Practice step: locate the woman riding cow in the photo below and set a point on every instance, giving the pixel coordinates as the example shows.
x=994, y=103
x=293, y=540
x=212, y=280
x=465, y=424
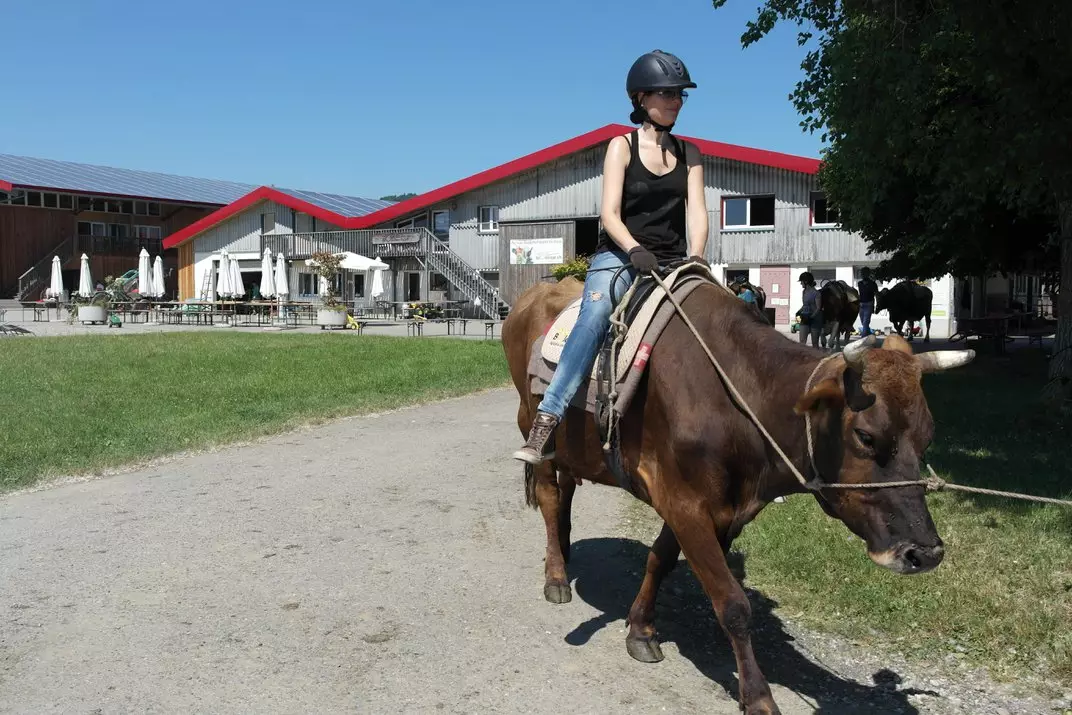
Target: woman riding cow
x=653, y=189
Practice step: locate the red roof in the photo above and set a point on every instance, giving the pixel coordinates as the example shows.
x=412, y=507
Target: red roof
x=734, y=152
x=4, y=186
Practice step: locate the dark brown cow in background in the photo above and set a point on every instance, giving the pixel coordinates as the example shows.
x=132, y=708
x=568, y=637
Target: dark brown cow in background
x=841, y=308
x=707, y=471
x=906, y=301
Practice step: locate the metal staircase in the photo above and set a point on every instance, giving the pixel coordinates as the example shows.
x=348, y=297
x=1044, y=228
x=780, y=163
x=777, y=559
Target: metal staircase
x=463, y=276
x=35, y=279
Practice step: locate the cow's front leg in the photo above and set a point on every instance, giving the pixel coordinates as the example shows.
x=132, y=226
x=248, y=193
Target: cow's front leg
x=556, y=588
x=642, y=641
x=705, y=554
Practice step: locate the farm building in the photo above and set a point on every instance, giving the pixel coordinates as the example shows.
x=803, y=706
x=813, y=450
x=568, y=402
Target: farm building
x=58, y=208
x=768, y=219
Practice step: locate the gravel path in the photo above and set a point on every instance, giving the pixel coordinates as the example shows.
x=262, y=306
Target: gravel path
x=381, y=564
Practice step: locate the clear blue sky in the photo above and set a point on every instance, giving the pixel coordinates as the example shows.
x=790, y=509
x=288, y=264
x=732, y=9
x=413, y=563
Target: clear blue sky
x=369, y=99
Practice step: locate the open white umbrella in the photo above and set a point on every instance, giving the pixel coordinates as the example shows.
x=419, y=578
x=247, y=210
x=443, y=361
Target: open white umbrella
x=282, y=289
x=236, y=279
x=85, y=280
x=267, y=275
x=145, y=275
x=158, y=278
x=55, y=281
x=224, y=289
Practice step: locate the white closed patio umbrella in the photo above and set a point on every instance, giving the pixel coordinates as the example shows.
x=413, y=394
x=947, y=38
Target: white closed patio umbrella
x=224, y=289
x=55, y=281
x=158, y=277
x=282, y=288
x=236, y=279
x=145, y=275
x=267, y=275
x=85, y=280
x=377, y=282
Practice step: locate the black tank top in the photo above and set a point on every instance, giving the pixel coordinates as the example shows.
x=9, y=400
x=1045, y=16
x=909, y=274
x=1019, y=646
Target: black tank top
x=653, y=207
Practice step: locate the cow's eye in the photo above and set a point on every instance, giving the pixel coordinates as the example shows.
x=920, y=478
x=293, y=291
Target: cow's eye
x=865, y=439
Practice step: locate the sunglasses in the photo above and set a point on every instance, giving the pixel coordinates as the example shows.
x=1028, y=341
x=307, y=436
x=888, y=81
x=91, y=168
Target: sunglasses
x=672, y=94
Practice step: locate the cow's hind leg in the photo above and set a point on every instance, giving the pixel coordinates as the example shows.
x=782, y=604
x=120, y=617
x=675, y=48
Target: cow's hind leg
x=541, y=486
x=927, y=337
x=734, y=612
x=642, y=641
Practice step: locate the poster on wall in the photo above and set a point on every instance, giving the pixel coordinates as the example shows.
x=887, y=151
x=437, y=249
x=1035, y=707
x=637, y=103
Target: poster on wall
x=535, y=251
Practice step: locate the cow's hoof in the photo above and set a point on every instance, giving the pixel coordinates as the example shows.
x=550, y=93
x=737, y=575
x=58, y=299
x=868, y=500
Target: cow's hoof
x=557, y=592
x=646, y=650
x=926, y=340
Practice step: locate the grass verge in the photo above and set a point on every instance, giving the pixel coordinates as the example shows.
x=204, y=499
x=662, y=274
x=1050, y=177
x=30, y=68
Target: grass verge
x=73, y=405
x=1002, y=598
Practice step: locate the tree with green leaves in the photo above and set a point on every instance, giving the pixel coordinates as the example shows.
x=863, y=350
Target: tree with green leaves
x=397, y=197
x=948, y=124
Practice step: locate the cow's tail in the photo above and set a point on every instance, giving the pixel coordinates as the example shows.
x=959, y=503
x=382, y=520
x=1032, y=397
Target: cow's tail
x=530, y=486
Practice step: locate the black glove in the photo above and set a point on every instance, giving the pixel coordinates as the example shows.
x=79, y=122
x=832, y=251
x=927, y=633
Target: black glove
x=643, y=260
x=697, y=259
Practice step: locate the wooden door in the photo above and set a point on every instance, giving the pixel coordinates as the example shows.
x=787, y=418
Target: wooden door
x=775, y=281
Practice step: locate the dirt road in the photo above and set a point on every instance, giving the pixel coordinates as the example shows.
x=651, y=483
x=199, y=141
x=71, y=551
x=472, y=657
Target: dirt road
x=383, y=564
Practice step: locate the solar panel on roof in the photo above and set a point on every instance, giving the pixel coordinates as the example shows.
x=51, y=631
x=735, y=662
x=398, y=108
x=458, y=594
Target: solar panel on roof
x=89, y=178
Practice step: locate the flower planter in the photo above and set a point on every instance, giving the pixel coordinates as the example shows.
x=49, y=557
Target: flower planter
x=331, y=318
x=92, y=314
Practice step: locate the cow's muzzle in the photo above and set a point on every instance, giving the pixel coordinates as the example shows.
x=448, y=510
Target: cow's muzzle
x=909, y=558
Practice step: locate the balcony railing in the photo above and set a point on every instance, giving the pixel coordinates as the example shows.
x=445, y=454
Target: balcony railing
x=385, y=243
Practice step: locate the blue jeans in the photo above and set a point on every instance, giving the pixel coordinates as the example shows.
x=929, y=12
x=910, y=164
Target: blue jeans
x=593, y=322
x=866, y=309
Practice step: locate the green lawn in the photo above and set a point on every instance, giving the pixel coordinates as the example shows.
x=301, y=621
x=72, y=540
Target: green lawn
x=1003, y=596
x=78, y=404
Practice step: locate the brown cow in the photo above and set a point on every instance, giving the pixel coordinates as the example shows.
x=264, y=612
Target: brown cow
x=706, y=469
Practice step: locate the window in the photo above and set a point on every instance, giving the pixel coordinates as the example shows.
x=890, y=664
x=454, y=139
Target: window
x=91, y=228
x=268, y=222
x=441, y=223
x=66, y=201
x=307, y=284
x=33, y=198
x=748, y=212
x=822, y=214
x=3, y=197
x=488, y=218
x=359, y=285
x=118, y=230
x=420, y=221
x=140, y=208
x=51, y=201
x=154, y=208
x=147, y=232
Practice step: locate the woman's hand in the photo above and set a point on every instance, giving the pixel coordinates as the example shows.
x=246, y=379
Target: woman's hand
x=643, y=260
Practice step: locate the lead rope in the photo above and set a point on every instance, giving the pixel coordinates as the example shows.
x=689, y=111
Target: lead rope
x=931, y=483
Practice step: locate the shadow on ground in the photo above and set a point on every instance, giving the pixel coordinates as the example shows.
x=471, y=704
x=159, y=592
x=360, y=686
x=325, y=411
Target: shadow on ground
x=606, y=574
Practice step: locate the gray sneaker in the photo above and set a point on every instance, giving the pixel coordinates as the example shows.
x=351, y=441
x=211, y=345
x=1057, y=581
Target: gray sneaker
x=542, y=433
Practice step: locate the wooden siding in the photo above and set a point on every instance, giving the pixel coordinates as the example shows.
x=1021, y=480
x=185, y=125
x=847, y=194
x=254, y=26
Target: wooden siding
x=515, y=280
x=187, y=285
x=242, y=233
x=27, y=234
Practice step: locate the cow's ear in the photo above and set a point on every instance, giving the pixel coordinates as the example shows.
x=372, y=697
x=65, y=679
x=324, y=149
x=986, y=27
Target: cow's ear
x=827, y=393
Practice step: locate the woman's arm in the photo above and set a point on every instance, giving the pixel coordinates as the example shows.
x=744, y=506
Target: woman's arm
x=696, y=202
x=610, y=212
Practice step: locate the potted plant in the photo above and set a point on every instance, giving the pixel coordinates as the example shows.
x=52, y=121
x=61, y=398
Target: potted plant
x=331, y=313
x=578, y=268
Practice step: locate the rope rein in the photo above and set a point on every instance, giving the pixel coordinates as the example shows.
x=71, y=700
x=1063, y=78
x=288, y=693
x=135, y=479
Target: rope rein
x=931, y=483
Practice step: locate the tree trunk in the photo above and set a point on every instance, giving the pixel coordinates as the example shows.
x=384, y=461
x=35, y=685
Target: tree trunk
x=1059, y=387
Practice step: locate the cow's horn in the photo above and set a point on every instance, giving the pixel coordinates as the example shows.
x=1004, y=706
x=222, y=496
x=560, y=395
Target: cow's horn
x=944, y=359
x=854, y=352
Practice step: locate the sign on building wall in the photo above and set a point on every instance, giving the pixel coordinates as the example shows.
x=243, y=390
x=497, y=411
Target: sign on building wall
x=399, y=237
x=535, y=251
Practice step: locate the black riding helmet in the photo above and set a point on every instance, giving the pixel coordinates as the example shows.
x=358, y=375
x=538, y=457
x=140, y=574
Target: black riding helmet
x=653, y=71
x=807, y=278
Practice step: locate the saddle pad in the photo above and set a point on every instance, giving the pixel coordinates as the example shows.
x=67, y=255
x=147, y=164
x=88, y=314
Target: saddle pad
x=556, y=335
